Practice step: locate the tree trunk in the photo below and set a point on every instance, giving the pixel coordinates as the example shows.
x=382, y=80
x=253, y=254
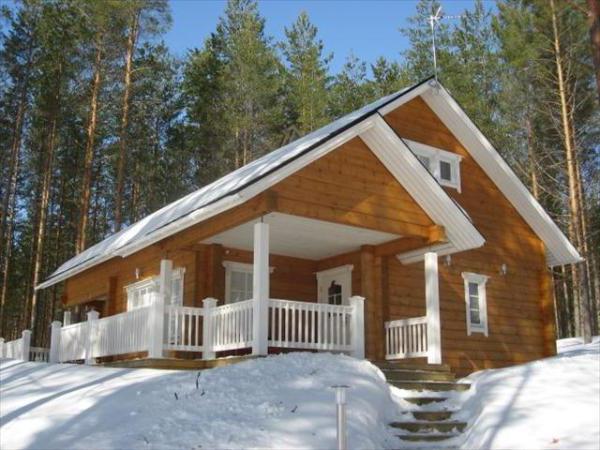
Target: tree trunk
x=8, y=206
x=131, y=40
x=84, y=204
x=41, y=224
x=574, y=207
x=594, y=17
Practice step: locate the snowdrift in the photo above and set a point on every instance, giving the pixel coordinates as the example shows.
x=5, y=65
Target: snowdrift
x=281, y=401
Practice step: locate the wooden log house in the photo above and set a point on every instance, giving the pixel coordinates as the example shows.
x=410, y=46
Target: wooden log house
x=394, y=232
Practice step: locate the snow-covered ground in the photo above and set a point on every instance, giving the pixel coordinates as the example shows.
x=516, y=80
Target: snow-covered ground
x=286, y=401
x=277, y=402
x=553, y=403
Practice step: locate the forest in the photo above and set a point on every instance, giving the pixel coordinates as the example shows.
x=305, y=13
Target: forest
x=101, y=124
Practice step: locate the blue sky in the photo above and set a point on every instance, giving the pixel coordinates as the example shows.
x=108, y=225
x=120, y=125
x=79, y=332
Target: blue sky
x=367, y=28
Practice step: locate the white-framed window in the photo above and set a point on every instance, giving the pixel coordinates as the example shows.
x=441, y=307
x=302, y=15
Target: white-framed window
x=239, y=281
x=476, y=302
x=443, y=165
x=141, y=293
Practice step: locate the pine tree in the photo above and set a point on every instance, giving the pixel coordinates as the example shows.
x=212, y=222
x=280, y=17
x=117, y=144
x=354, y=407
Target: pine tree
x=350, y=89
x=17, y=59
x=306, y=76
x=244, y=77
x=152, y=18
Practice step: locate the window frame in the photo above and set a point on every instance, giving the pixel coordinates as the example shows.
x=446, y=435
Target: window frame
x=234, y=266
x=436, y=156
x=178, y=275
x=481, y=282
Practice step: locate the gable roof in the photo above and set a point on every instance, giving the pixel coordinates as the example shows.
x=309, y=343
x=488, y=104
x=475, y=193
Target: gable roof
x=559, y=250
x=251, y=179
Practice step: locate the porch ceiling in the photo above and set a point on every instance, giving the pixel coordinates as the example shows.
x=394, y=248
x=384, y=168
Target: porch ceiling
x=302, y=237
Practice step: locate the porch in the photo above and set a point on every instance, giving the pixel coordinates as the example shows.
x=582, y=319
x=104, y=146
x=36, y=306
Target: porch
x=341, y=317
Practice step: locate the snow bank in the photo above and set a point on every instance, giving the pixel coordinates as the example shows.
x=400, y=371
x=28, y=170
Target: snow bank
x=552, y=403
x=281, y=401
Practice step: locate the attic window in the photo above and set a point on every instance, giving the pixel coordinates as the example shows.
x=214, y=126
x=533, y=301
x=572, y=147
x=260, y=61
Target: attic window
x=443, y=165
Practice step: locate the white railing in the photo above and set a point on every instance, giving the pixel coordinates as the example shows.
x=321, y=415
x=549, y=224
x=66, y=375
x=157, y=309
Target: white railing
x=232, y=326
x=121, y=333
x=38, y=354
x=13, y=349
x=406, y=338
x=184, y=328
x=317, y=326
x=210, y=329
x=73, y=342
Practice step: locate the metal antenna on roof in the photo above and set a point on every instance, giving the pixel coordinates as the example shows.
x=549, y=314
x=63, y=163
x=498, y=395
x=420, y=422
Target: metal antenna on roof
x=434, y=21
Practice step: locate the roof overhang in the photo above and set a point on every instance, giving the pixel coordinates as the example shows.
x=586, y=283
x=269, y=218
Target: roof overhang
x=423, y=188
x=559, y=250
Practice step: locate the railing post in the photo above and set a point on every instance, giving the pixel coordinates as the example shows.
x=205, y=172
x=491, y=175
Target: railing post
x=1, y=347
x=67, y=318
x=26, y=345
x=357, y=326
x=260, y=316
x=432, y=296
x=156, y=321
x=92, y=322
x=54, y=353
x=209, y=305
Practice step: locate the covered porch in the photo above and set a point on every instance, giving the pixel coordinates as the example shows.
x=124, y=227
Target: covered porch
x=344, y=313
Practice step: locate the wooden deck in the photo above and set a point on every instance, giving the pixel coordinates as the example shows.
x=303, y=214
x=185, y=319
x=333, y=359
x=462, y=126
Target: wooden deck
x=177, y=364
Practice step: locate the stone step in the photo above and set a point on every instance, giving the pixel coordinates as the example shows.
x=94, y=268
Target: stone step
x=411, y=365
x=419, y=375
x=425, y=400
x=433, y=416
x=426, y=427
x=426, y=437
x=430, y=385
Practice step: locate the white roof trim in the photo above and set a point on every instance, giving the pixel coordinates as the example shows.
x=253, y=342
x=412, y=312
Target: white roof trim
x=559, y=250
x=421, y=185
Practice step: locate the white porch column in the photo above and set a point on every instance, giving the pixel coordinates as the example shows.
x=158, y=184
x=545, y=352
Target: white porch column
x=432, y=297
x=67, y=318
x=260, y=291
x=157, y=310
x=357, y=326
x=209, y=305
x=54, y=354
x=26, y=344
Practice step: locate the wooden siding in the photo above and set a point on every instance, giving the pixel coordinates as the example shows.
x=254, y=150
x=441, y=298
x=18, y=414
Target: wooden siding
x=520, y=310
x=351, y=186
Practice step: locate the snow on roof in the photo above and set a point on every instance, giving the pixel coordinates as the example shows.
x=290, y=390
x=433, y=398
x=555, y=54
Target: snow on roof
x=219, y=189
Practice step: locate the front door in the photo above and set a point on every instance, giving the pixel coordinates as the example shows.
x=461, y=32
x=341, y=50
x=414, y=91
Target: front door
x=335, y=285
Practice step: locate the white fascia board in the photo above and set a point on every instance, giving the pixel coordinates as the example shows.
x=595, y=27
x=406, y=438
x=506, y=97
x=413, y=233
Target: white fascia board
x=414, y=93
x=222, y=205
x=559, y=250
x=420, y=184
